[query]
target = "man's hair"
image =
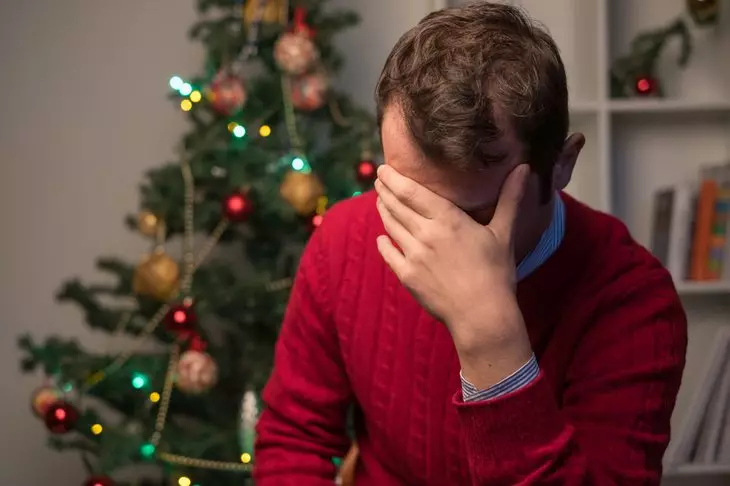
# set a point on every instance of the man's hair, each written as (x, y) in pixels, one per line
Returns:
(464, 74)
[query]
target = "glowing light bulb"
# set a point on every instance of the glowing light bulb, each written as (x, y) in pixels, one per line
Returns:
(97, 429)
(232, 126)
(176, 83)
(154, 397)
(186, 105)
(245, 458)
(96, 378)
(196, 96)
(356, 193)
(147, 449)
(297, 163)
(265, 130)
(239, 131)
(184, 481)
(186, 89)
(139, 380)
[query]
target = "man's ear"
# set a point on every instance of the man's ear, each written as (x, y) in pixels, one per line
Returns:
(563, 170)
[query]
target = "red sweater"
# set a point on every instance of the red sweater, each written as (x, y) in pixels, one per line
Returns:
(605, 323)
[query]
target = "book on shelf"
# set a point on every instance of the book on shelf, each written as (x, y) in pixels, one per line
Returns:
(704, 436)
(691, 227)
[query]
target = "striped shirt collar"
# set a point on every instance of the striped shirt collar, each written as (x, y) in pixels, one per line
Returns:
(549, 241)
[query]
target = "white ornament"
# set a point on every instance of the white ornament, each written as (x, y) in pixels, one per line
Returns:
(196, 372)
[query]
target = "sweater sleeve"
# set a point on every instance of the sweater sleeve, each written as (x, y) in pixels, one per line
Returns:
(611, 424)
(303, 424)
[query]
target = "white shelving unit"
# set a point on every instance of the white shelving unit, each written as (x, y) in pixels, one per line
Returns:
(635, 146)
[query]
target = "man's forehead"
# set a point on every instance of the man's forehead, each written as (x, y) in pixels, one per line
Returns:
(471, 190)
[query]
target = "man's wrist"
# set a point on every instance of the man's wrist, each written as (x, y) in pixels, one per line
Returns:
(490, 370)
(497, 346)
(522, 377)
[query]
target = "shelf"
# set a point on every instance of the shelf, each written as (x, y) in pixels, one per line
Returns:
(583, 108)
(668, 106)
(698, 470)
(703, 288)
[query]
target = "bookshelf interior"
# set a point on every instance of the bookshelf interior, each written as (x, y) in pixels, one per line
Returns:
(637, 146)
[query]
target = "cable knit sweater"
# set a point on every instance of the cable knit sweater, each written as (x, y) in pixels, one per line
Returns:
(604, 321)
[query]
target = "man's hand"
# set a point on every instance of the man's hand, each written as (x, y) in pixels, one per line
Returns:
(462, 272)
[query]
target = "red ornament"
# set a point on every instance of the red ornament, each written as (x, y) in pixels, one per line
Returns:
(237, 207)
(366, 171)
(181, 319)
(99, 481)
(226, 93)
(309, 91)
(197, 344)
(646, 86)
(61, 417)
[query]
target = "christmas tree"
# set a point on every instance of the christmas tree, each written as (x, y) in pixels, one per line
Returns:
(271, 146)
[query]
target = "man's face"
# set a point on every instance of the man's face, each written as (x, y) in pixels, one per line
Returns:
(474, 192)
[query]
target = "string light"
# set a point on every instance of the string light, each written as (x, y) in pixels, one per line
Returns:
(356, 193)
(139, 380)
(196, 96)
(97, 429)
(232, 126)
(265, 130)
(176, 83)
(245, 458)
(96, 378)
(239, 131)
(297, 163)
(322, 202)
(154, 397)
(184, 481)
(147, 450)
(186, 89)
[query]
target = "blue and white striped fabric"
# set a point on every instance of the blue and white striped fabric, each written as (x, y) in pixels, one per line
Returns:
(549, 242)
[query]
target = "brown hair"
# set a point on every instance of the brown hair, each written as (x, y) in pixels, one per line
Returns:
(462, 70)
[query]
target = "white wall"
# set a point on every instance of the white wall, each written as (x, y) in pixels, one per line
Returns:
(84, 113)
(368, 45)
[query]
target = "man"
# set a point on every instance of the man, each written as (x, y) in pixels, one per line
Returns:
(488, 328)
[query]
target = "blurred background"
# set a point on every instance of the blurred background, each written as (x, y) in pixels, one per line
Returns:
(86, 112)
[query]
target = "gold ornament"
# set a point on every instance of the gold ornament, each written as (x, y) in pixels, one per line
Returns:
(148, 223)
(271, 11)
(42, 398)
(295, 53)
(157, 276)
(302, 190)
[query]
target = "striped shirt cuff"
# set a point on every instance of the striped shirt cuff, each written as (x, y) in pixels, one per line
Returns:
(520, 378)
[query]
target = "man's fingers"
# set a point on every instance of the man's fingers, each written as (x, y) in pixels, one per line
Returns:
(406, 216)
(400, 234)
(421, 200)
(510, 198)
(393, 258)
